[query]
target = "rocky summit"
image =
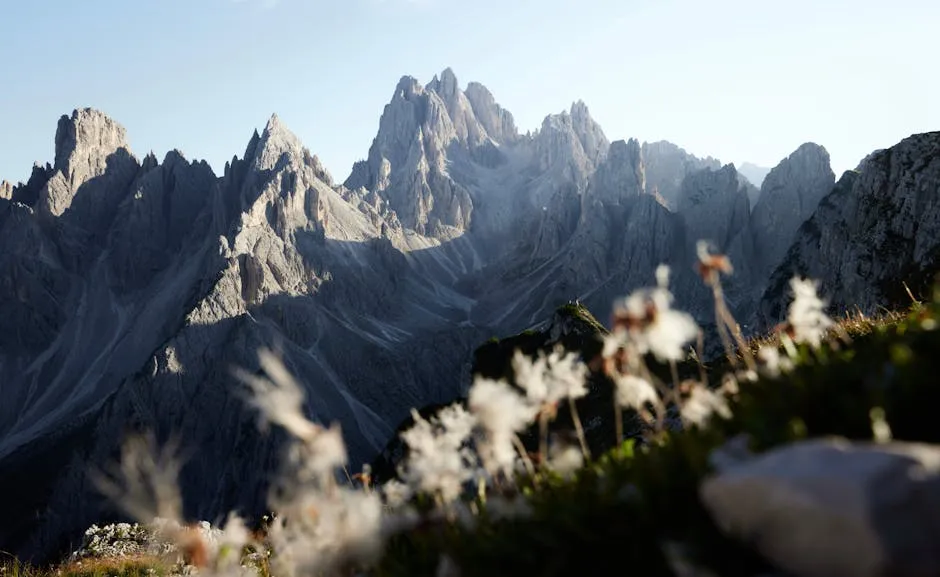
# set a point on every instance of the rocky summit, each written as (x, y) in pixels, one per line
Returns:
(131, 288)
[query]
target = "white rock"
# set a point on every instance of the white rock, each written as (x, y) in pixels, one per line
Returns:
(832, 508)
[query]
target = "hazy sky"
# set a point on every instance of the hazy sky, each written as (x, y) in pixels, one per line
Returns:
(738, 80)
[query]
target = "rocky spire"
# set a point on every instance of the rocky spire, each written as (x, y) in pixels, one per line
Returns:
(88, 145)
(714, 205)
(593, 141)
(83, 143)
(421, 129)
(498, 122)
(877, 230)
(667, 165)
(621, 176)
(571, 142)
(789, 196)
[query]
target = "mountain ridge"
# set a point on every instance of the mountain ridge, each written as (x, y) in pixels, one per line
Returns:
(135, 286)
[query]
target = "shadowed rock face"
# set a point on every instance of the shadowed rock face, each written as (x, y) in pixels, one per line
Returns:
(130, 289)
(714, 205)
(878, 229)
(667, 165)
(789, 196)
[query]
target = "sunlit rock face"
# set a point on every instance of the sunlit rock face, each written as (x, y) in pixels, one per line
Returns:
(130, 288)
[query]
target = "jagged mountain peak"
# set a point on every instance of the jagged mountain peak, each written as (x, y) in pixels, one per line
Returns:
(621, 176)
(276, 140)
(446, 85)
(705, 185)
(573, 141)
(810, 149)
(876, 234)
(807, 167)
(274, 123)
(88, 144)
(579, 110)
(498, 122)
(808, 159)
(407, 88)
(182, 274)
(623, 150)
(85, 132)
(667, 165)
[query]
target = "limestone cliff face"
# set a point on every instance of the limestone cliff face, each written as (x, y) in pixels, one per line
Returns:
(667, 165)
(423, 129)
(876, 230)
(789, 196)
(571, 143)
(188, 277)
(621, 177)
(498, 122)
(93, 168)
(714, 206)
(129, 289)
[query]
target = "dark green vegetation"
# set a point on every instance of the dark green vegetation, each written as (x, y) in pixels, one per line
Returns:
(622, 512)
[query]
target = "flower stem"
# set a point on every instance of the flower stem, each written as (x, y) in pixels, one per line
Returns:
(618, 422)
(577, 425)
(543, 436)
(520, 448)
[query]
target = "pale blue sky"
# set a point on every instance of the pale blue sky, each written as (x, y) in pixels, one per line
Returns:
(736, 79)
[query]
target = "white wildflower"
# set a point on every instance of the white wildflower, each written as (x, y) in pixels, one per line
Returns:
(396, 493)
(530, 374)
(701, 404)
(652, 324)
(662, 276)
(881, 430)
(565, 459)
(773, 362)
(710, 264)
(145, 484)
(326, 451)
(502, 412)
(436, 463)
(613, 342)
(807, 314)
(279, 399)
(567, 375)
(668, 334)
(547, 380)
(228, 545)
(457, 423)
(320, 533)
(634, 392)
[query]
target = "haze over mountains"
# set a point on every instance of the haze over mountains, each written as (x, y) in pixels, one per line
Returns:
(130, 288)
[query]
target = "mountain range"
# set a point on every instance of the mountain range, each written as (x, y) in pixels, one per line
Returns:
(131, 288)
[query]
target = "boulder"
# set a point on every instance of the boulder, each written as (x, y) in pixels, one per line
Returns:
(834, 508)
